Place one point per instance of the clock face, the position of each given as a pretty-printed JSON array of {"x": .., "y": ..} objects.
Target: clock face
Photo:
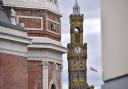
[{"x": 77, "y": 50}]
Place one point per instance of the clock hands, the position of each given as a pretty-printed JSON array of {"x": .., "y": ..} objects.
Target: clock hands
[{"x": 77, "y": 50}]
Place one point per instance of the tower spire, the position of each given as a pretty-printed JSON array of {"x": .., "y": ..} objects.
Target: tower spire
[{"x": 76, "y": 8}]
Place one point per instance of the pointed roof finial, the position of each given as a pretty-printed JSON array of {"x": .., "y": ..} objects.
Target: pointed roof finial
[{"x": 76, "y": 8}]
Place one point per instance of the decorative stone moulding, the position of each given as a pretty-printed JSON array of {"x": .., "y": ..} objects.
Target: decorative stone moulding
[{"x": 51, "y": 5}]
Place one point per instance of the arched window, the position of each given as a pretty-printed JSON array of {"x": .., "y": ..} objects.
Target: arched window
[
  {"x": 75, "y": 75},
  {"x": 81, "y": 75},
  {"x": 53, "y": 86}
]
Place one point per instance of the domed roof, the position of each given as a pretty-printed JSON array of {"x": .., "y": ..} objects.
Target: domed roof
[{"x": 51, "y": 5}]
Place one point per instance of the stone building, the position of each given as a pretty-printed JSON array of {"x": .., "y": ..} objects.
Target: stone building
[
  {"x": 77, "y": 52},
  {"x": 30, "y": 45}
]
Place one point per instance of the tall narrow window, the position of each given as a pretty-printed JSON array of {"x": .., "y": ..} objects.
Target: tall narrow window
[
  {"x": 81, "y": 74},
  {"x": 53, "y": 86}
]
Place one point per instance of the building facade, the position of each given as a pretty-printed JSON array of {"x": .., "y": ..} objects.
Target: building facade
[
  {"x": 114, "y": 44},
  {"x": 13, "y": 54},
  {"x": 77, "y": 52},
  {"x": 43, "y": 63}
]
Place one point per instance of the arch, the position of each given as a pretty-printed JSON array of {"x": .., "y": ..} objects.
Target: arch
[
  {"x": 81, "y": 66},
  {"x": 78, "y": 28},
  {"x": 53, "y": 82},
  {"x": 53, "y": 86}
]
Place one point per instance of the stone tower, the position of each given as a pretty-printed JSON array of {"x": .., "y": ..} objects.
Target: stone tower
[{"x": 77, "y": 52}]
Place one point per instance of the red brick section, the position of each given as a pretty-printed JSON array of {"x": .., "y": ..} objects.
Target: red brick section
[
  {"x": 13, "y": 72},
  {"x": 36, "y": 23},
  {"x": 39, "y": 33},
  {"x": 58, "y": 76},
  {"x": 35, "y": 73},
  {"x": 51, "y": 70}
]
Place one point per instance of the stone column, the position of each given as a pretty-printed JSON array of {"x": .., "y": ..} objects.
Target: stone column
[
  {"x": 45, "y": 75},
  {"x": 61, "y": 69}
]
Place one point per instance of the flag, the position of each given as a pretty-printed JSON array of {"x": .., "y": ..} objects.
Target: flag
[{"x": 92, "y": 69}]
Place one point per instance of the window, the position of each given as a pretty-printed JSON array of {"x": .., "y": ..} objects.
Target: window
[
  {"x": 53, "y": 27},
  {"x": 75, "y": 75},
  {"x": 81, "y": 75},
  {"x": 53, "y": 86}
]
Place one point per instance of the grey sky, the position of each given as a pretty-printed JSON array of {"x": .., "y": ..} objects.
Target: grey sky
[{"x": 91, "y": 11}]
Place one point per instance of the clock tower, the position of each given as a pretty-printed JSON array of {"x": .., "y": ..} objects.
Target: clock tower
[{"x": 77, "y": 52}]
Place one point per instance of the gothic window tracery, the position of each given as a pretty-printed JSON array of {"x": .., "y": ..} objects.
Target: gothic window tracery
[{"x": 81, "y": 74}]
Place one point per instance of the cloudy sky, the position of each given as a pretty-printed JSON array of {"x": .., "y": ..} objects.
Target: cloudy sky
[{"x": 92, "y": 36}]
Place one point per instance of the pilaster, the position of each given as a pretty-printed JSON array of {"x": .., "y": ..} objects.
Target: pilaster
[{"x": 45, "y": 74}]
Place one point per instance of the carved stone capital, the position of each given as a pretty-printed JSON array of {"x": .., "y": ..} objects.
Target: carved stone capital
[{"x": 45, "y": 64}]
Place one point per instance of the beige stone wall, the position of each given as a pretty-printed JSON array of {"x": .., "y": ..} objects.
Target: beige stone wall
[{"x": 114, "y": 38}]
